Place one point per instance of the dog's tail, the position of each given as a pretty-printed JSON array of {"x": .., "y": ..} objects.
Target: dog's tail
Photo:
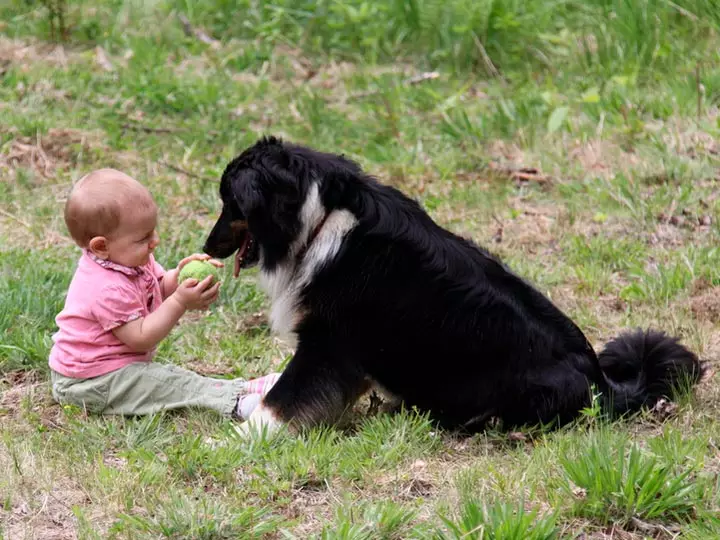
[{"x": 641, "y": 367}]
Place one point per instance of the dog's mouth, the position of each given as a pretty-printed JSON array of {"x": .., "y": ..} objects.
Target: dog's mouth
[{"x": 247, "y": 253}]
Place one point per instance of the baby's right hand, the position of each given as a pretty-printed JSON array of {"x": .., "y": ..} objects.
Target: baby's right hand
[{"x": 197, "y": 295}]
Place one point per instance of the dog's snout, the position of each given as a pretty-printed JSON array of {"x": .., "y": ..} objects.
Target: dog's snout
[{"x": 219, "y": 248}]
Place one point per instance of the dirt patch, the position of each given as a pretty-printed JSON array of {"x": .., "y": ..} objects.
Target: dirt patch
[
  {"x": 45, "y": 154},
  {"x": 45, "y": 514},
  {"x": 706, "y": 305},
  {"x": 40, "y": 503},
  {"x": 530, "y": 227},
  {"x": 25, "y": 54},
  {"x": 605, "y": 159},
  {"x": 602, "y": 159},
  {"x": 312, "y": 508},
  {"x": 533, "y": 227},
  {"x": 18, "y": 385},
  {"x": 199, "y": 66},
  {"x": 27, "y": 394},
  {"x": 685, "y": 138},
  {"x": 292, "y": 63},
  {"x": 611, "y": 533},
  {"x": 510, "y": 155},
  {"x": 251, "y": 322},
  {"x": 208, "y": 370}
]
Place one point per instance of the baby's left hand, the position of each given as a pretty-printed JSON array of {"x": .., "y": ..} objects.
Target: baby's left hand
[{"x": 170, "y": 280}]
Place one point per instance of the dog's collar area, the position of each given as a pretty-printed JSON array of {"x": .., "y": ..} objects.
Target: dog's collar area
[
  {"x": 316, "y": 231},
  {"x": 312, "y": 236}
]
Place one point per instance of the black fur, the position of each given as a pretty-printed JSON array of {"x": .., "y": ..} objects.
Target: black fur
[{"x": 433, "y": 318}]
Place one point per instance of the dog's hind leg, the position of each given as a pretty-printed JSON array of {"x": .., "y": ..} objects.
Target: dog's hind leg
[{"x": 317, "y": 387}]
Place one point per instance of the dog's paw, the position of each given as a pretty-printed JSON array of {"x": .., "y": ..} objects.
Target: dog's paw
[
  {"x": 262, "y": 420},
  {"x": 241, "y": 429}
]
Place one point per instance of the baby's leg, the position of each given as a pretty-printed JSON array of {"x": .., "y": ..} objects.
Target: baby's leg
[
  {"x": 89, "y": 394},
  {"x": 262, "y": 385},
  {"x": 146, "y": 388}
]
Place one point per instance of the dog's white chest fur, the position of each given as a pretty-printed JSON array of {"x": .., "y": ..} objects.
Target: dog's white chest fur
[{"x": 286, "y": 282}]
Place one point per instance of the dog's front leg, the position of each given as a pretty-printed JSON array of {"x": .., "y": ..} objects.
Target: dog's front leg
[{"x": 317, "y": 387}]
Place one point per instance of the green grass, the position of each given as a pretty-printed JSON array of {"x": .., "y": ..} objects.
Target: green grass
[
  {"x": 619, "y": 481},
  {"x": 613, "y": 102},
  {"x": 506, "y": 521}
]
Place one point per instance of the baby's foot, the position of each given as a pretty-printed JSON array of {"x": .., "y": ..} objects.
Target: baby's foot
[
  {"x": 253, "y": 392},
  {"x": 262, "y": 385},
  {"x": 246, "y": 405}
]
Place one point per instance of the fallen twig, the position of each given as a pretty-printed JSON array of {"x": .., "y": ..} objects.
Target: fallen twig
[
  {"x": 101, "y": 58},
  {"x": 651, "y": 528},
  {"x": 525, "y": 174},
  {"x": 700, "y": 87},
  {"x": 190, "y": 31},
  {"x": 422, "y": 77},
  {"x": 498, "y": 236},
  {"x": 15, "y": 218},
  {"x": 185, "y": 172},
  {"x": 492, "y": 69},
  {"x": 689, "y": 14},
  {"x": 148, "y": 129},
  {"x": 666, "y": 219},
  {"x": 415, "y": 79}
]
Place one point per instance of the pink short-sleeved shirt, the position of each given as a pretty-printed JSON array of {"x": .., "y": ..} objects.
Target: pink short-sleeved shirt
[{"x": 103, "y": 295}]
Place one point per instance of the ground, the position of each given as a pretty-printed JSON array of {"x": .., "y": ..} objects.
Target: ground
[{"x": 578, "y": 141}]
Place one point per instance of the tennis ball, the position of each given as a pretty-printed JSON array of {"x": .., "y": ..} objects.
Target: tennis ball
[{"x": 199, "y": 270}]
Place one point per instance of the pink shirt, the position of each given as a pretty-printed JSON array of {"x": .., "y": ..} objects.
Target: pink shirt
[{"x": 103, "y": 295}]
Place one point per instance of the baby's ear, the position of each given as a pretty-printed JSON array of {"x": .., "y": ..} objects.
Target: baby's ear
[{"x": 98, "y": 245}]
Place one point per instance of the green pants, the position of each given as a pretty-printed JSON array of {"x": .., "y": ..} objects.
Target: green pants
[{"x": 146, "y": 388}]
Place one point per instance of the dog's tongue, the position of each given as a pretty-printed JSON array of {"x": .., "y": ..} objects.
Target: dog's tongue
[
  {"x": 236, "y": 269},
  {"x": 240, "y": 255}
]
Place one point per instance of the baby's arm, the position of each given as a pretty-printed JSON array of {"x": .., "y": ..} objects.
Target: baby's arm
[
  {"x": 145, "y": 333},
  {"x": 169, "y": 281}
]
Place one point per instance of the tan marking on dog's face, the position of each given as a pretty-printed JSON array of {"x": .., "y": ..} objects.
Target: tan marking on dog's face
[{"x": 238, "y": 226}]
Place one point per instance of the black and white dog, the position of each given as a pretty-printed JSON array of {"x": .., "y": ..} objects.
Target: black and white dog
[{"x": 373, "y": 291}]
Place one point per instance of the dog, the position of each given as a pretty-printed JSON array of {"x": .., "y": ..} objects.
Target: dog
[{"x": 372, "y": 291}]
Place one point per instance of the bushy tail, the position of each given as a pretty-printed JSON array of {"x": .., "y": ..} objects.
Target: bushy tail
[{"x": 643, "y": 366}]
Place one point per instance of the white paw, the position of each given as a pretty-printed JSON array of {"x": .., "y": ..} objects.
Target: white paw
[{"x": 262, "y": 419}]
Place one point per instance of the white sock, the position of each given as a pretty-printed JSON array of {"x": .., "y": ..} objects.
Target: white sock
[{"x": 246, "y": 405}]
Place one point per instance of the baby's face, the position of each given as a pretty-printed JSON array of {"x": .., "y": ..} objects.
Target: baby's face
[{"x": 135, "y": 240}]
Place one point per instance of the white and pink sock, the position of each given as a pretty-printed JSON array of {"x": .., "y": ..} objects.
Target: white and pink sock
[{"x": 255, "y": 390}]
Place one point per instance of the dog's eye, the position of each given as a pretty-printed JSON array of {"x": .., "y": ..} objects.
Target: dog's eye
[{"x": 234, "y": 212}]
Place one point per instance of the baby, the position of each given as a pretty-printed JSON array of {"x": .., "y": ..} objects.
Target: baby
[{"x": 121, "y": 304}]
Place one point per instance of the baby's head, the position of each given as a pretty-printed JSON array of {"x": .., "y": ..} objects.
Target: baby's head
[{"x": 113, "y": 216}]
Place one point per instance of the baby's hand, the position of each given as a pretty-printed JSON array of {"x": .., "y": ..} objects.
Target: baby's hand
[
  {"x": 170, "y": 280},
  {"x": 198, "y": 257},
  {"x": 197, "y": 295}
]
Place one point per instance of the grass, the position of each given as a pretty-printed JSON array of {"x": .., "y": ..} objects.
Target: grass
[
  {"x": 506, "y": 521},
  {"x": 618, "y": 481},
  {"x": 578, "y": 140}
]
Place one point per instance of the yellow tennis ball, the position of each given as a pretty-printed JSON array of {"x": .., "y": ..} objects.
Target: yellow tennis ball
[{"x": 199, "y": 270}]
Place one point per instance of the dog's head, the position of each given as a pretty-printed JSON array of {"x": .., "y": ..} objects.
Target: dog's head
[{"x": 273, "y": 195}]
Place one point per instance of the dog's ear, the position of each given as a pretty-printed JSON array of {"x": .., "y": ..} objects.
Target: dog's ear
[
  {"x": 333, "y": 189},
  {"x": 267, "y": 196},
  {"x": 339, "y": 175},
  {"x": 247, "y": 193}
]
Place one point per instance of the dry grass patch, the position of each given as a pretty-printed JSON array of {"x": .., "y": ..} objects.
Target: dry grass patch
[
  {"x": 42, "y": 495},
  {"x": 25, "y": 53}
]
